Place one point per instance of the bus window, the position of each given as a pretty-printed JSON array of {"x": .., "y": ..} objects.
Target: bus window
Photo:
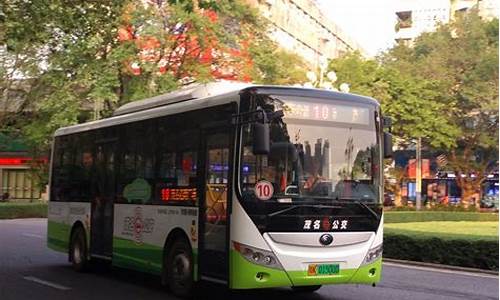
[
  {"x": 217, "y": 178},
  {"x": 177, "y": 154},
  {"x": 136, "y": 172}
]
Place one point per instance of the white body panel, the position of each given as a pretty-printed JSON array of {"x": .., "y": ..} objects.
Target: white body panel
[
  {"x": 151, "y": 224},
  {"x": 310, "y": 239},
  {"x": 348, "y": 249},
  {"x": 68, "y": 213},
  {"x": 243, "y": 230},
  {"x": 298, "y": 257},
  {"x": 296, "y": 251}
]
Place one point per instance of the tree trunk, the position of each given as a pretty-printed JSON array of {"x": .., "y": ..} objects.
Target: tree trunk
[
  {"x": 465, "y": 168},
  {"x": 398, "y": 199},
  {"x": 471, "y": 192}
]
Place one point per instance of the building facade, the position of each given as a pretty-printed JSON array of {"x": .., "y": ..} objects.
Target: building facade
[
  {"x": 300, "y": 27},
  {"x": 17, "y": 178},
  {"x": 418, "y": 16},
  {"x": 439, "y": 184}
]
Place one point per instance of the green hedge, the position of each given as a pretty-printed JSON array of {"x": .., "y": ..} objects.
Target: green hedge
[
  {"x": 12, "y": 210},
  {"x": 424, "y": 216},
  {"x": 437, "y": 207},
  {"x": 472, "y": 254}
]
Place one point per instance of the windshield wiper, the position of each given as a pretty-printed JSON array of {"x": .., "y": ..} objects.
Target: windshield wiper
[
  {"x": 362, "y": 204},
  {"x": 297, "y": 206}
]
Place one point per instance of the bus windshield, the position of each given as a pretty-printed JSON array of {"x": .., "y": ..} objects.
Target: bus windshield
[{"x": 322, "y": 151}]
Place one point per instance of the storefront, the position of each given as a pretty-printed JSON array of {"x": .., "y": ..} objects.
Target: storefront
[
  {"x": 441, "y": 187},
  {"x": 17, "y": 178}
]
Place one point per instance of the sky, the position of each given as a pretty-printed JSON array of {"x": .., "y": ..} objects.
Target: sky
[{"x": 369, "y": 22}]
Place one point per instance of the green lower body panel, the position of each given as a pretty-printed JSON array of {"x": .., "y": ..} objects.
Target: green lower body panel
[
  {"x": 58, "y": 236},
  {"x": 141, "y": 257},
  {"x": 246, "y": 275},
  {"x": 368, "y": 274}
]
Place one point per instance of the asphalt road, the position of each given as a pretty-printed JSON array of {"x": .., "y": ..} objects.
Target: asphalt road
[{"x": 29, "y": 270}]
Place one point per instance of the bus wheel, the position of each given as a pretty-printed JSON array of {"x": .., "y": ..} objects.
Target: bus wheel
[
  {"x": 78, "y": 250},
  {"x": 306, "y": 289},
  {"x": 179, "y": 268}
]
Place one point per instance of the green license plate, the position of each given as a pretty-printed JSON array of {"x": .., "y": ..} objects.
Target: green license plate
[{"x": 323, "y": 269}]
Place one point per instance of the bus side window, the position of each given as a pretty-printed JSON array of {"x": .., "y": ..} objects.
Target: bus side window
[
  {"x": 217, "y": 178},
  {"x": 62, "y": 170},
  {"x": 177, "y": 160},
  {"x": 56, "y": 182},
  {"x": 126, "y": 161},
  {"x": 136, "y": 163},
  {"x": 84, "y": 167}
]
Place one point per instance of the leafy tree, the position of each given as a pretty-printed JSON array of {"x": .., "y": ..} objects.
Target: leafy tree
[
  {"x": 460, "y": 59},
  {"x": 62, "y": 53},
  {"x": 409, "y": 101},
  {"x": 272, "y": 65},
  {"x": 443, "y": 89},
  {"x": 63, "y": 63},
  {"x": 81, "y": 61}
]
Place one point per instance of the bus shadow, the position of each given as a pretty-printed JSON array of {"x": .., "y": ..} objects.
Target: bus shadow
[
  {"x": 210, "y": 291},
  {"x": 203, "y": 290}
]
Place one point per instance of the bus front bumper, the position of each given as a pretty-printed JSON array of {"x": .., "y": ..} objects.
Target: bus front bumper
[{"x": 246, "y": 275}]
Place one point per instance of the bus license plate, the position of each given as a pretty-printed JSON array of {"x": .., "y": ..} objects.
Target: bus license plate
[{"x": 323, "y": 269}]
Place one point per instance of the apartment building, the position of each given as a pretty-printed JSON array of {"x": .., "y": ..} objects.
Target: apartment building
[
  {"x": 300, "y": 27},
  {"x": 418, "y": 16}
]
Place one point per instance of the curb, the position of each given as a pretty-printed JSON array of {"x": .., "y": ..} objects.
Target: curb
[{"x": 439, "y": 266}]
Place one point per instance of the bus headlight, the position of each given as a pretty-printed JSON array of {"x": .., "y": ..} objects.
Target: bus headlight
[
  {"x": 372, "y": 255},
  {"x": 258, "y": 256}
]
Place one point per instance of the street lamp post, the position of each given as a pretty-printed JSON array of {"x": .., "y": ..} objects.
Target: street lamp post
[
  {"x": 323, "y": 64},
  {"x": 418, "y": 185},
  {"x": 325, "y": 83}
]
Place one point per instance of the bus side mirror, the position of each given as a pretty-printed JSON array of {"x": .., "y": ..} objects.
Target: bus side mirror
[
  {"x": 387, "y": 145},
  {"x": 261, "y": 138}
]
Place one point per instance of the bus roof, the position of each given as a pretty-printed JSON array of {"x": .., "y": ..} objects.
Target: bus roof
[
  {"x": 198, "y": 96},
  {"x": 190, "y": 92}
]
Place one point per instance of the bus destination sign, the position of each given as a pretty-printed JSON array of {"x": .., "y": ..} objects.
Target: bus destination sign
[
  {"x": 327, "y": 112},
  {"x": 178, "y": 194}
]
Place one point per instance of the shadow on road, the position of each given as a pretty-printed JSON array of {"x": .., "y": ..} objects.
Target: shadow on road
[{"x": 204, "y": 290}]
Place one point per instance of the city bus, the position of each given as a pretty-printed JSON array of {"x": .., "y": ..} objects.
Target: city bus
[{"x": 249, "y": 186}]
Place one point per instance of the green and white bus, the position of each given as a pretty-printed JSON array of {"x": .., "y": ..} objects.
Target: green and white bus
[{"x": 245, "y": 185}]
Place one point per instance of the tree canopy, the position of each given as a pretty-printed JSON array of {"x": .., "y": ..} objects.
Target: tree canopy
[
  {"x": 444, "y": 89},
  {"x": 410, "y": 102},
  {"x": 69, "y": 63}
]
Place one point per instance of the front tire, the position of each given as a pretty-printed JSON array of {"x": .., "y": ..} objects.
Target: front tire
[
  {"x": 179, "y": 268},
  {"x": 78, "y": 250},
  {"x": 306, "y": 289}
]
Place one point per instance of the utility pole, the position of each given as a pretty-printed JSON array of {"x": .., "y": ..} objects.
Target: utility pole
[{"x": 419, "y": 174}]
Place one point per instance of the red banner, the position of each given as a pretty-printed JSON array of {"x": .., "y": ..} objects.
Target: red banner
[{"x": 412, "y": 168}]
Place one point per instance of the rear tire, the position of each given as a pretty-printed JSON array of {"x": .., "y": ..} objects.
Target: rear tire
[
  {"x": 178, "y": 268},
  {"x": 78, "y": 250},
  {"x": 306, "y": 289}
]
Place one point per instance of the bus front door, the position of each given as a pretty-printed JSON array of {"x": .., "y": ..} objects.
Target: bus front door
[
  {"x": 101, "y": 227},
  {"x": 213, "y": 248}
]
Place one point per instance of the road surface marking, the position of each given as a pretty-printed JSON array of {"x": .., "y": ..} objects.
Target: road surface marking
[
  {"x": 32, "y": 235},
  {"x": 47, "y": 283},
  {"x": 454, "y": 272}
]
